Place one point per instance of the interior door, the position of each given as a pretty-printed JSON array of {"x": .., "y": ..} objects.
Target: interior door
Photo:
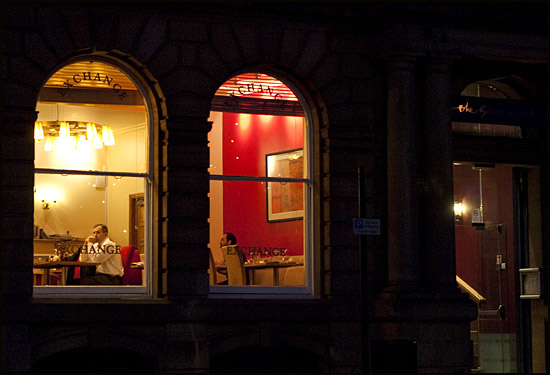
[
  {"x": 137, "y": 221},
  {"x": 485, "y": 255},
  {"x": 496, "y": 337}
]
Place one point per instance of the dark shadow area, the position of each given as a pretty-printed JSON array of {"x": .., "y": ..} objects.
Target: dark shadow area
[
  {"x": 104, "y": 360},
  {"x": 255, "y": 359},
  {"x": 393, "y": 356}
]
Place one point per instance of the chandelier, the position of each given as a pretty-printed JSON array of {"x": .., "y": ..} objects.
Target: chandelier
[{"x": 73, "y": 134}]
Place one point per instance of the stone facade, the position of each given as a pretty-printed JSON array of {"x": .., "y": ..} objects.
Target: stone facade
[{"x": 377, "y": 85}]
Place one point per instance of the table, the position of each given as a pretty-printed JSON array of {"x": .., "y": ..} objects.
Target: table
[
  {"x": 63, "y": 264},
  {"x": 275, "y": 266}
]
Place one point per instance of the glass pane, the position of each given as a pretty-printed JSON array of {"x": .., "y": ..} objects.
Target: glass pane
[
  {"x": 242, "y": 209},
  {"x": 79, "y": 150},
  {"x": 240, "y": 142},
  {"x": 67, "y": 208}
]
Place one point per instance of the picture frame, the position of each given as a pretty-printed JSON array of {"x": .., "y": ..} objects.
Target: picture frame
[{"x": 285, "y": 200}]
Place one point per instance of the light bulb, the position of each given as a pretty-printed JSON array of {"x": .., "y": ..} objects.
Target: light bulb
[{"x": 38, "y": 131}]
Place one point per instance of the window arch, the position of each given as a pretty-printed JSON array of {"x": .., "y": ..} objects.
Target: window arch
[
  {"x": 500, "y": 107},
  {"x": 93, "y": 165},
  {"x": 261, "y": 186}
]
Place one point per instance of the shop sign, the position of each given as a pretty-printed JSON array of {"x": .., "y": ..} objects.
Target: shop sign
[
  {"x": 74, "y": 248},
  {"x": 264, "y": 251},
  {"x": 255, "y": 88},
  {"x": 270, "y": 99},
  {"x": 78, "y": 78},
  {"x": 471, "y": 109}
]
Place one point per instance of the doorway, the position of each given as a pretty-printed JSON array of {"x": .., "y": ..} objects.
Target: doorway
[
  {"x": 494, "y": 239},
  {"x": 137, "y": 221}
]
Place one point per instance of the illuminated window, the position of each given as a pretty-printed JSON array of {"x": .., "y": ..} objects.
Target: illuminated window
[
  {"x": 260, "y": 186},
  {"x": 92, "y": 166}
]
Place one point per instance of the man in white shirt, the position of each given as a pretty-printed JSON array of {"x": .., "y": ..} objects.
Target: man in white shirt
[{"x": 99, "y": 248}]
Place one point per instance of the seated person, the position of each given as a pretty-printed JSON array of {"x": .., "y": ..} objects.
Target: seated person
[
  {"x": 229, "y": 239},
  {"x": 99, "y": 248}
]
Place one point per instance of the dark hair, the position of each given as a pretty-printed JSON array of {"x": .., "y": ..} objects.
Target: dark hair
[
  {"x": 104, "y": 228},
  {"x": 231, "y": 237}
]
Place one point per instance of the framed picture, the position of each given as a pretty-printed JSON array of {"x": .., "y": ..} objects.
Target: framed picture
[{"x": 285, "y": 200}]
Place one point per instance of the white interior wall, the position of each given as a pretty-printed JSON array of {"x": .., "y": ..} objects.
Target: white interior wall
[
  {"x": 216, "y": 187},
  {"x": 80, "y": 205}
]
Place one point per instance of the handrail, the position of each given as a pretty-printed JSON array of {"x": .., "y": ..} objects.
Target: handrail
[{"x": 465, "y": 287}]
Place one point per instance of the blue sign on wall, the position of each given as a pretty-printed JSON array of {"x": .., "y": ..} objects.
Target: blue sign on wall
[{"x": 369, "y": 227}]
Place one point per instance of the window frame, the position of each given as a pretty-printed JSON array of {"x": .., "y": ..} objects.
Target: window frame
[
  {"x": 108, "y": 291},
  {"x": 281, "y": 292}
]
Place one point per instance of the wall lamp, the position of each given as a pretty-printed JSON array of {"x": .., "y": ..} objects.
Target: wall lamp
[
  {"x": 459, "y": 209},
  {"x": 46, "y": 204}
]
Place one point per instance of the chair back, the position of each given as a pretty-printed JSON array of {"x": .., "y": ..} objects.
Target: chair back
[
  {"x": 131, "y": 276},
  {"x": 212, "y": 270},
  {"x": 234, "y": 260}
]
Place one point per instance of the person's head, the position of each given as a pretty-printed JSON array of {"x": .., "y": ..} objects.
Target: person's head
[
  {"x": 228, "y": 239},
  {"x": 60, "y": 245},
  {"x": 100, "y": 232}
]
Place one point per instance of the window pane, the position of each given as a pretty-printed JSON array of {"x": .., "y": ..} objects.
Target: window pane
[
  {"x": 242, "y": 209},
  {"x": 77, "y": 203},
  {"x": 240, "y": 142},
  {"x": 79, "y": 151},
  {"x": 91, "y": 118}
]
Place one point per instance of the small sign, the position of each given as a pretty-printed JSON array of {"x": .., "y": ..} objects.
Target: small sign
[
  {"x": 369, "y": 227},
  {"x": 476, "y": 215}
]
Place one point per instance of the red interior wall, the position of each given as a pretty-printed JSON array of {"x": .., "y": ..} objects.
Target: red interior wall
[{"x": 247, "y": 139}]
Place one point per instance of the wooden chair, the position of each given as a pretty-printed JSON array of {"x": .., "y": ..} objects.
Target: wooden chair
[
  {"x": 235, "y": 265},
  {"x": 293, "y": 276},
  {"x": 212, "y": 270}
]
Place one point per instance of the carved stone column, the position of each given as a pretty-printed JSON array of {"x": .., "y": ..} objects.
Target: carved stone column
[
  {"x": 185, "y": 228},
  {"x": 403, "y": 259},
  {"x": 438, "y": 242}
]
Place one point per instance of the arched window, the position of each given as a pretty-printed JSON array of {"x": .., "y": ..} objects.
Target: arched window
[
  {"x": 498, "y": 107},
  {"x": 92, "y": 166},
  {"x": 260, "y": 187}
]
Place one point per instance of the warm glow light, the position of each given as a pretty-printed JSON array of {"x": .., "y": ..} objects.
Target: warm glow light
[
  {"x": 81, "y": 143},
  {"x": 91, "y": 131},
  {"x": 83, "y": 134},
  {"x": 64, "y": 130},
  {"x": 38, "y": 131},
  {"x": 66, "y": 143},
  {"x": 48, "y": 145},
  {"x": 459, "y": 210},
  {"x": 108, "y": 136},
  {"x": 48, "y": 196},
  {"x": 46, "y": 204},
  {"x": 98, "y": 143}
]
